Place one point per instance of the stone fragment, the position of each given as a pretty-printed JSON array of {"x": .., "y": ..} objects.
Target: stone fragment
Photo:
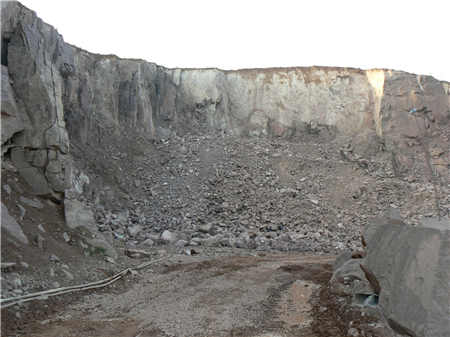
[
  {"x": 12, "y": 226},
  {"x": 181, "y": 243},
  {"x": 148, "y": 242},
  {"x": 134, "y": 230},
  {"x": 54, "y": 258},
  {"x": 7, "y": 189},
  {"x": 7, "y": 266},
  {"x": 206, "y": 228},
  {"x": 22, "y": 211},
  {"x": 168, "y": 236},
  {"x": 68, "y": 274},
  {"x": 79, "y": 215},
  {"x": 31, "y": 202},
  {"x": 66, "y": 237},
  {"x": 39, "y": 241},
  {"x": 102, "y": 247}
]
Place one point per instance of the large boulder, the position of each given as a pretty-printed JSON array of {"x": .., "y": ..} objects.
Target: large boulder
[
  {"x": 12, "y": 227},
  {"x": 79, "y": 216},
  {"x": 412, "y": 267}
]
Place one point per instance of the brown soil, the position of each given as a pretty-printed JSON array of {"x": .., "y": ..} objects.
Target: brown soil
[{"x": 274, "y": 295}]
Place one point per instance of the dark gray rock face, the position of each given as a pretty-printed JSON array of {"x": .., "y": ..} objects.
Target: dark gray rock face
[
  {"x": 412, "y": 265},
  {"x": 410, "y": 268}
]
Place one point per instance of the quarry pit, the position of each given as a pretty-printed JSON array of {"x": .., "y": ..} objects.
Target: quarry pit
[{"x": 303, "y": 201}]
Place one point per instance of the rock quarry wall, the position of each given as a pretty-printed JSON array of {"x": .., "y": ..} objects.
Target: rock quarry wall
[{"x": 55, "y": 94}]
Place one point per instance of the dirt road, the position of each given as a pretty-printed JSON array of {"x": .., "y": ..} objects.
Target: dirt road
[{"x": 273, "y": 295}]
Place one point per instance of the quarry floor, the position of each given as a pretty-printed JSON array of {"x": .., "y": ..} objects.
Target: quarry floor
[{"x": 261, "y": 295}]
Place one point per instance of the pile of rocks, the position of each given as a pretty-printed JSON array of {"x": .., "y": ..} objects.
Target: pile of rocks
[{"x": 255, "y": 193}]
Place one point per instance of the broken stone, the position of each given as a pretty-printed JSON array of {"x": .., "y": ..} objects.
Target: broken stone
[
  {"x": 7, "y": 266},
  {"x": 17, "y": 283},
  {"x": 110, "y": 260},
  {"x": 12, "y": 226},
  {"x": 79, "y": 215},
  {"x": 181, "y": 243},
  {"x": 190, "y": 251},
  {"x": 148, "y": 242},
  {"x": 39, "y": 241},
  {"x": 66, "y": 237},
  {"x": 168, "y": 236},
  {"x": 22, "y": 211},
  {"x": 54, "y": 258},
  {"x": 7, "y": 189},
  {"x": 68, "y": 274},
  {"x": 134, "y": 230},
  {"x": 31, "y": 202},
  {"x": 206, "y": 228},
  {"x": 102, "y": 247}
]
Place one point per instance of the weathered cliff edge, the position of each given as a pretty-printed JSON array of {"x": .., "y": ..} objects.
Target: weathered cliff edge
[{"x": 54, "y": 94}]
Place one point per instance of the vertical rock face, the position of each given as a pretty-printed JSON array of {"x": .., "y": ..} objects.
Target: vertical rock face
[{"x": 59, "y": 92}]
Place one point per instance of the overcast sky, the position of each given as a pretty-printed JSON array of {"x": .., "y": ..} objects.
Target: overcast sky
[{"x": 405, "y": 35}]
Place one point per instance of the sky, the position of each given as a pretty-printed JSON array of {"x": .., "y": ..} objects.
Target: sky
[{"x": 411, "y": 35}]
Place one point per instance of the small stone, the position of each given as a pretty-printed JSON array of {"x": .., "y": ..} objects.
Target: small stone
[
  {"x": 285, "y": 237},
  {"x": 65, "y": 266},
  {"x": 39, "y": 240},
  {"x": 32, "y": 202},
  {"x": 52, "y": 272},
  {"x": 352, "y": 332},
  {"x": 54, "y": 258},
  {"x": 195, "y": 242},
  {"x": 41, "y": 228},
  {"x": 68, "y": 274},
  {"x": 110, "y": 260},
  {"x": 190, "y": 251},
  {"x": 134, "y": 230},
  {"x": 168, "y": 236},
  {"x": 148, "y": 242},
  {"x": 24, "y": 265},
  {"x": 154, "y": 237},
  {"x": 17, "y": 283},
  {"x": 273, "y": 227},
  {"x": 181, "y": 243},
  {"x": 66, "y": 237},
  {"x": 7, "y": 266},
  {"x": 7, "y": 189},
  {"x": 206, "y": 228},
  {"x": 22, "y": 211},
  {"x": 55, "y": 284},
  {"x": 239, "y": 243}
]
